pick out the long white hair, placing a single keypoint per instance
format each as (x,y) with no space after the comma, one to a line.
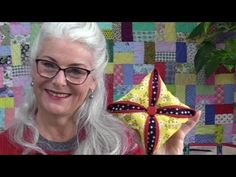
(104,133)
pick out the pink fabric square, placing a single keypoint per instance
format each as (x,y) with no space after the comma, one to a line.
(205,99)
(20,28)
(119,75)
(219,94)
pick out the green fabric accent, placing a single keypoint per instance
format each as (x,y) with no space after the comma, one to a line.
(219,134)
(185,27)
(5,30)
(171,88)
(205,129)
(105,25)
(144,26)
(110,45)
(205,90)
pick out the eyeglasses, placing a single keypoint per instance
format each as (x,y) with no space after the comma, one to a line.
(74,75)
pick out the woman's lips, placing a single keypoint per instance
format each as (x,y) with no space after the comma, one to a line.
(57,95)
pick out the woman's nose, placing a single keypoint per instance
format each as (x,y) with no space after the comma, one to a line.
(60,79)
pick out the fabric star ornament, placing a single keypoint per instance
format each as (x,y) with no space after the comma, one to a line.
(153,111)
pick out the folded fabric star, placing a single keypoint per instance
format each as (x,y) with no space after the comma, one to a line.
(153,111)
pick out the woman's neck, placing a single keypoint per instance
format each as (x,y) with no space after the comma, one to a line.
(54,127)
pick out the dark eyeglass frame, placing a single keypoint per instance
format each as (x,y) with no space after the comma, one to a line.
(64,71)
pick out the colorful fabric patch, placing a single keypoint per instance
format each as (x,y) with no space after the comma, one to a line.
(224,108)
(17,28)
(123,47)
(170,32)
(185,27)
(219,137)
(5,50)
(181,52)
(210,114)
(21,70)
(165,56)
(205,90)
(160,31)
(227,133)
(183,79)
(165,46)
(170,73)
(144,26)
(149,52)
(124,58)
(219,94)
(144,36)
(190,95)
(191,52)
(119,73)
(116,29)
(138,48)
(126,31)
(108,34)
(4,34)
(229,93)
(205,138)
(205,99)
(143,68)
(224,118)
(185,68)
(225,79)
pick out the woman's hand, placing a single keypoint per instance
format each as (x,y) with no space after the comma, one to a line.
(175,145)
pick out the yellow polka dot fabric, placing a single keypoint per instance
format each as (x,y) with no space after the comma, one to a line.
(153,111)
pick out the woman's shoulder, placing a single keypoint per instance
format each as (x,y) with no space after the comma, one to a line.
(7,146)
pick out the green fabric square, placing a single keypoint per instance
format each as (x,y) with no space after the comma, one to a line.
(144,26)
(185,27)
(205,90)
(105,25)
(171,88)
(110,45)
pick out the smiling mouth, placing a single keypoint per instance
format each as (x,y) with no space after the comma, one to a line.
(57,94)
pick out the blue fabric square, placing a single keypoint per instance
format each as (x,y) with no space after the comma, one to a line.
(205,138)
(128,74)
(229,93)
(210,114)
(181,52)
(190,95)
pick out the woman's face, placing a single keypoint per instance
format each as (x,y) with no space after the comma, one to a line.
(57,96)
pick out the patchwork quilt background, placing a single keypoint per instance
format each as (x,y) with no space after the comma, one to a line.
(134,49)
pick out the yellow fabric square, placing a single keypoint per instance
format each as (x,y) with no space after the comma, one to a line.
(180,92)
(185,79)
(124,58)
(7,102)
(108,34)
(221,79)
(170,31)
(153,111)
(16,54)
(109,68)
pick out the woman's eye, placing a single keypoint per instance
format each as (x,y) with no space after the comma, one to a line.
(49,65)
